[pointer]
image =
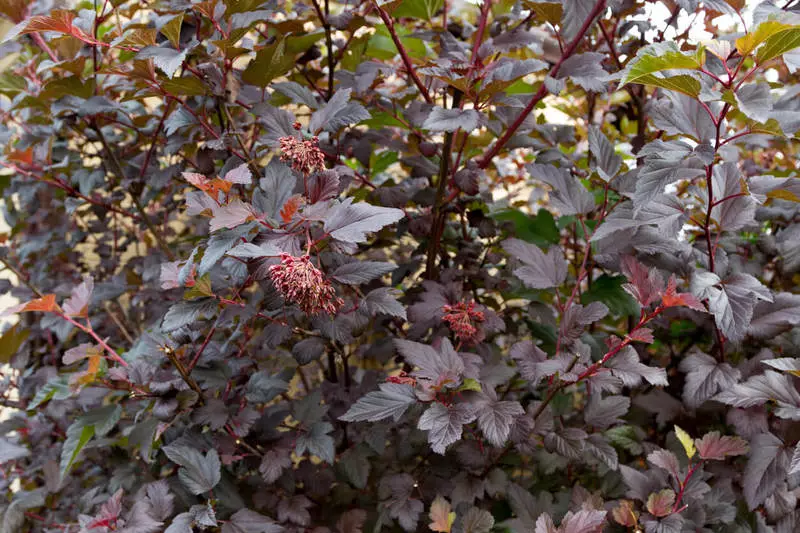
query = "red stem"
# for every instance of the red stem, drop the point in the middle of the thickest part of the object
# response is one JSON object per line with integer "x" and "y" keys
{"x": 387, "y": 20}
{"x": 89, "y": 331}
{"x": 485, "y": 8}
{"x": 542, "y": 92}
{"x": 70, "y": 190}
{"x": 675, "y": 508}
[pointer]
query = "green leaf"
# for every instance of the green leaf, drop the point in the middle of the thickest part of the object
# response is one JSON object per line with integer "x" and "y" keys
{"x": 382, "y": 47}
{"x": 683, "y": 83}
{"x": 240, "y": 6}
{"x": 11, "y": 84}
{"x": 655, "y": 59}
{"x": 378, "y": 162}
{"x": 299, "y": 44}
{"x": 10, "y": 342}
{"x": 72, "y": 86}
{"x": 200, "y": 289}
{"x": 547, "y": 11}
{"x": 419, "y": 9}
{"x": 270, "y": 62}
{"x": 172, "y": 30}
{"x": 686, "y": 441}
{"x": 778, "y": 44}
{"x": 765, "y": 31}
{"x": 188, "y": 86}
{"x": 470, "y": 384}
{"x": 55, "y": 389}
{"x": 608, "y": 290}
{"x": 77, "y": 437}
{"x": 540, "y": 229}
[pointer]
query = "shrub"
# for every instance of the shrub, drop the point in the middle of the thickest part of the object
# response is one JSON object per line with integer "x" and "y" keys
{"x": 331, "y": 266}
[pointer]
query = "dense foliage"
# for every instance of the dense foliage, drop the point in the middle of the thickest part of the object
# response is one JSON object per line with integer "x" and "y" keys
{"x": 327, "y": 266}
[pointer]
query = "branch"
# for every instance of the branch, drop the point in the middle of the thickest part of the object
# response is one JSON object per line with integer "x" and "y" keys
{"x": 323, "y": 18}
{"x": 91, "y": 332}
{"x": 542, "y": 92}
{"x": 387, "y": 20}
{"x": 437, "y": 228}
{"x": 70, "y": 190}
{"x": 136, "y": 202}
{"x": 189, "y": 380}
{"x": 485, "y": 8}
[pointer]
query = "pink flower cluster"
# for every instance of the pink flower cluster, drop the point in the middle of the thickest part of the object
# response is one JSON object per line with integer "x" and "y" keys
{"x": 301, "y": 283}
{"x": 305, "y": 156}
{"x": 460, "y": 318}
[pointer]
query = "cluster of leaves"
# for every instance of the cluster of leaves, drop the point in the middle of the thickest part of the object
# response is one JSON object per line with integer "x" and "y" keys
{"x": 319, "y": 265}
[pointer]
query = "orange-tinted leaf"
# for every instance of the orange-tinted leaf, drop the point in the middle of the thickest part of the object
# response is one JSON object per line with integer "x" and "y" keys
{"x": 210, "y": 187}
{"x": 21, "y": 156}
{"x": 88, "y": 376}
{"x": 441, "y": 517}
{"x": 290, "y": 208}
{"x": 660, "y": 503}
{"x": 671, "y": 298}
{"x": 46, "y": 303}
{"x": 624, "y": 514}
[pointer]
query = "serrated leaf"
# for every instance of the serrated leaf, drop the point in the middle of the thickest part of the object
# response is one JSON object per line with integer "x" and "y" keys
{"x": 393, "y": 399}
{"x": 658, "y": 58}
{"x": 199, "y": 473}
{"x": 350, "y": 222}
{"x": 11, "y": 340}
{"x": 766, "y": 468}
{"x": 445, "y": 424}
{"x": 660, "y": 503}
{"x": 359, "y": 272}
{"x": 441, "y": 516}
{"x": 716, "y": 446}
{"x": 270, "y": 62}
{"x": 338, "y": 113}
{"x": 167, "y": 60}
{"x": 779, "y": 42}
{"x": 540, "y": 270}
{"x": 172, "y": 30}
{"x": 450, "y": 120}
{"x": 247, "y": 521}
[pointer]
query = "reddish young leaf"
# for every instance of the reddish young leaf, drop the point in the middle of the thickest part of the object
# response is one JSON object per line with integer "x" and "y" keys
{"x": 59, "y": 21}
{"x": 78, "y": 302}
{"x": 642, "y": 335}
{"x": 645, "y": 284}
{"x": 671, "y": 298}
{"x": 718, "y": 447}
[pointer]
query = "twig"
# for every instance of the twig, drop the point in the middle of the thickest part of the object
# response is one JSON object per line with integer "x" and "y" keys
{"x": 438, "y": 216}
{"x": 188, "y": 379}
{"x": 387, "y": 20}
{"x": 543, "y": 91}
{"x": 136, "y": 202}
